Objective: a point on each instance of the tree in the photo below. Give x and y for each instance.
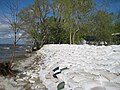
(33, 21)
(72, 11)
(12, 7)
(45, 21)
(42, 10)
(53, 27)
(103, 23)
(29, 24)
(116, 34)
(56, 32)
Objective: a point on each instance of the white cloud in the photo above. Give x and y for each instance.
(4, 30)
(9, 35)
(4, 26)
(6, 34)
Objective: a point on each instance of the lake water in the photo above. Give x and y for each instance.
(7, 49)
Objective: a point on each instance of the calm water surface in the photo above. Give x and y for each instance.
(7, 49)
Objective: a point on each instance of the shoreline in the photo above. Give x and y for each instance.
(27, 78)
(52, 65)
(18, 57)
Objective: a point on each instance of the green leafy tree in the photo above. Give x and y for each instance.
(56, 32)
(72, 11)
(103, 23)
(33, 21)
(29, 24)
(116, 34)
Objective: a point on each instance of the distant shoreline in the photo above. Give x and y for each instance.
(7, 49)
(21, 57)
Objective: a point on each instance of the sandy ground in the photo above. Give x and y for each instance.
(27, 79)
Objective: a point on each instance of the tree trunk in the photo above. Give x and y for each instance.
(14, 49)
(43, 40)
(36, 45)
(70, 37)
(74, 36)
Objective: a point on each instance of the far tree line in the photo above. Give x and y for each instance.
(65, 22)
(68, 21)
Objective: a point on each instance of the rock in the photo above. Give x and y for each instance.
(102, 78)
(116, 48)
(108, 75)
(116, 69)
(78, 78)
(54, 80)
(78, 88)
(31, 81)
(22, 75)
(97, 85)
(98, 88)
(2, 87)
(116, 80)
(19, 80)
(40, 87)
(28, 50)
(27, 87)
(48, 76)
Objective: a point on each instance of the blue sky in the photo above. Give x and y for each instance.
(6, 35)
(113, 6)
